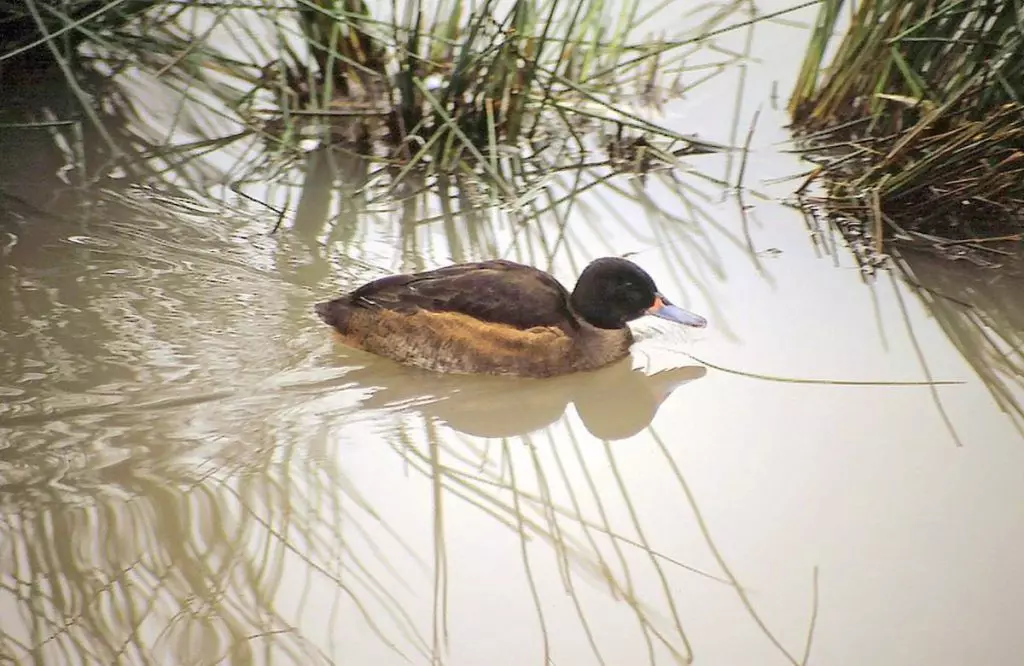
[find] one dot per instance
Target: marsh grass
(917, 121)
(497, 93)
(493, 91)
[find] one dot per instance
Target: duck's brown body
(492, 317)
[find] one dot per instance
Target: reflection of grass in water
(211, 552)
(322, 541)
(982, 317)
(977, 307)
(192, 566)
(198, 567)
(582, 540)
(720, 559)
(535, 230)
(532, 516)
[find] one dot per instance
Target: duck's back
(497, 292)
(494, 317)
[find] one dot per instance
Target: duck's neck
(596, 347)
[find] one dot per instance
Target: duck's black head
(612, 291)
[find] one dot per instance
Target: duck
(500, 317)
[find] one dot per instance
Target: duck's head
(612, 291)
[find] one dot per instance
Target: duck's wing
(497, 291)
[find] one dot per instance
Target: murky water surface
(193, 471)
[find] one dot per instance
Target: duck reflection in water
(614, 402)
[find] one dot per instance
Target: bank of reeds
(502, 93)
(917, 122)
(482, 87)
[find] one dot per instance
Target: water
(194, 472)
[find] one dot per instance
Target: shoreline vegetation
(911, 112)
(500, 92)
(916, 124)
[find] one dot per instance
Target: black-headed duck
(502, 318)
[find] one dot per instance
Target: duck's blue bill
(662, 308)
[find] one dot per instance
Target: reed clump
(917, 122)
(460, 87)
